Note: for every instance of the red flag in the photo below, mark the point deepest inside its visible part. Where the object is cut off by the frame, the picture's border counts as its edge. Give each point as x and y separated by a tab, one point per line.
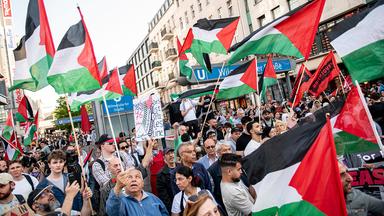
187	42
130	80
114	82
85	124
324	74
301	85
250	76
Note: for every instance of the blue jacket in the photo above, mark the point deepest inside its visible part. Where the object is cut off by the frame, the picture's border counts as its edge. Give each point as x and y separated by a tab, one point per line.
199	171
59	195
150	205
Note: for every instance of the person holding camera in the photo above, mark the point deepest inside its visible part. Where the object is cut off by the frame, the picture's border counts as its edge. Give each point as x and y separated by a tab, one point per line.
58	180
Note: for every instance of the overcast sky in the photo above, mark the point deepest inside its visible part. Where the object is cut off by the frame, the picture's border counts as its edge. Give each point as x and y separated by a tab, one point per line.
116	27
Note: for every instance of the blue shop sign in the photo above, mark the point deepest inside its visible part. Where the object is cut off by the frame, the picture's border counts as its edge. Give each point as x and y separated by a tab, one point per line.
281	65
64	121
119	105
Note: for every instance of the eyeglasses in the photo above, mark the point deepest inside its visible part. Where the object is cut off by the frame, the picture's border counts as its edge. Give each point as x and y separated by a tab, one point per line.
210	147
195	197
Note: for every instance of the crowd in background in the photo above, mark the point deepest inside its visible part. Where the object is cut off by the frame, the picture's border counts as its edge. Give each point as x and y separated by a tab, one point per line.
200	173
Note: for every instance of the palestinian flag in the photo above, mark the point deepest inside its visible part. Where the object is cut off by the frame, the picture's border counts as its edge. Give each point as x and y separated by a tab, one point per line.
210	36
8	129
296	173
111	88
197	92
184	66
22	78
128	79
359	41
30	130
325	73
24	112
241	81
39	49
12	148
353	127
74	68
301	85
103	69
269	77
290	35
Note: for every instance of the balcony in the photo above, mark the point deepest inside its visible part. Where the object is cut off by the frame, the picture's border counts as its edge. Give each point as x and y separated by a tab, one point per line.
156	65
171	54
153	47
166	34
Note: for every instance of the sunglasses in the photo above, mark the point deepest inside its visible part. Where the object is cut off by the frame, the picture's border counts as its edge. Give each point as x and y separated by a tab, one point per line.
210	147
195	197
123	147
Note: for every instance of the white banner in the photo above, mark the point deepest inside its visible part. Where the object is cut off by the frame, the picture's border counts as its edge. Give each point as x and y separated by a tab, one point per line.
148	117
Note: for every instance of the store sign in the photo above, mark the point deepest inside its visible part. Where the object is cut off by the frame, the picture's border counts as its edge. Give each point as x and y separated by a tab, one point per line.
64	121
119	105
6	5
281	65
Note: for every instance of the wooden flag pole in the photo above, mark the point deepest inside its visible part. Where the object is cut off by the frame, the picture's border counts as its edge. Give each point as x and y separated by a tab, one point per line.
113	133
369	116
81	161
298	86
118	113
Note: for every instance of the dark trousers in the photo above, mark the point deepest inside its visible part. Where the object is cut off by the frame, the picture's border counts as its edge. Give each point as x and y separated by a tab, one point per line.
193	128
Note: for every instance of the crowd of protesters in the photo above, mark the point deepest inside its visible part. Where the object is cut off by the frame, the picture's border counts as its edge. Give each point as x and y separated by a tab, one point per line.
199	174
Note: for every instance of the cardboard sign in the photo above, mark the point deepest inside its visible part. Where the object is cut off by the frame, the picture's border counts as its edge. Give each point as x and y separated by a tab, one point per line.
21	210
148	117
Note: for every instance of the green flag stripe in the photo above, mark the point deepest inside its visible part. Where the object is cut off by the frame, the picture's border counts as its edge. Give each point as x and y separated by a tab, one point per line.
291	209
348	143
235	92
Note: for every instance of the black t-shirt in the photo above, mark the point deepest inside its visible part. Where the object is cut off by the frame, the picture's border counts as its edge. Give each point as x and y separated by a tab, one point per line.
242	142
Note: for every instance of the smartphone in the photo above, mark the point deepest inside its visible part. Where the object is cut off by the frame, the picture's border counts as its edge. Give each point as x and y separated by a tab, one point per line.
71	178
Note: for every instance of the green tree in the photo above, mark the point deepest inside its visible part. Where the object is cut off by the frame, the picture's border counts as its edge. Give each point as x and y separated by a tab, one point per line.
61	112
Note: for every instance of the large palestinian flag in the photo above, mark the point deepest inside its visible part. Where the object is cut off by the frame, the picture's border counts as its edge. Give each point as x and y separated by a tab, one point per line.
353	127
39	49
74	68
128	79
269	77
184	66
111	88
296	173
22	78
359	41
290	35
210	36
24	111
241	81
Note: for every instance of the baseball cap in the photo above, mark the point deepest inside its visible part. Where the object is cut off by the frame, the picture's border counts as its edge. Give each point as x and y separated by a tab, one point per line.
236	129
36	194
166	150
5	178
105	138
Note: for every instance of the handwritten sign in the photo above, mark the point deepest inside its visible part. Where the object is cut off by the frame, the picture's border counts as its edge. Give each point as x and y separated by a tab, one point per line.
148	117
21	210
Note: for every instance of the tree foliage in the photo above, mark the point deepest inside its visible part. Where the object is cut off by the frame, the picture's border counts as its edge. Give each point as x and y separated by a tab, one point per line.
61	112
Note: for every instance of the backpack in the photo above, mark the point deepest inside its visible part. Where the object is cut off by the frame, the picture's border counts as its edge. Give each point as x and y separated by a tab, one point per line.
20	198
29	180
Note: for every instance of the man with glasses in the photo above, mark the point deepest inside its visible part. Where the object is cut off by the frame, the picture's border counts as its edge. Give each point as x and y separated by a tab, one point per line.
187	154
210	157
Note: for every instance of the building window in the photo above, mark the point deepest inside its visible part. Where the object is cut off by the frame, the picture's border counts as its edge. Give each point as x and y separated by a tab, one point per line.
192	12
219	14
258	1
199	5
292	4
186	17
177	3
230	8
250	27
181	23
261	20
207	2
275	12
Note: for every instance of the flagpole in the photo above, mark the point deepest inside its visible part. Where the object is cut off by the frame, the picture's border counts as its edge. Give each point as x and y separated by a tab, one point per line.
78	149
213	96
113	133
118	113
298	86
369	116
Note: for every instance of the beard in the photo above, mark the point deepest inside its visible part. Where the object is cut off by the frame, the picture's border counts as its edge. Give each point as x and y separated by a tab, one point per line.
236	180
50	207
5	195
